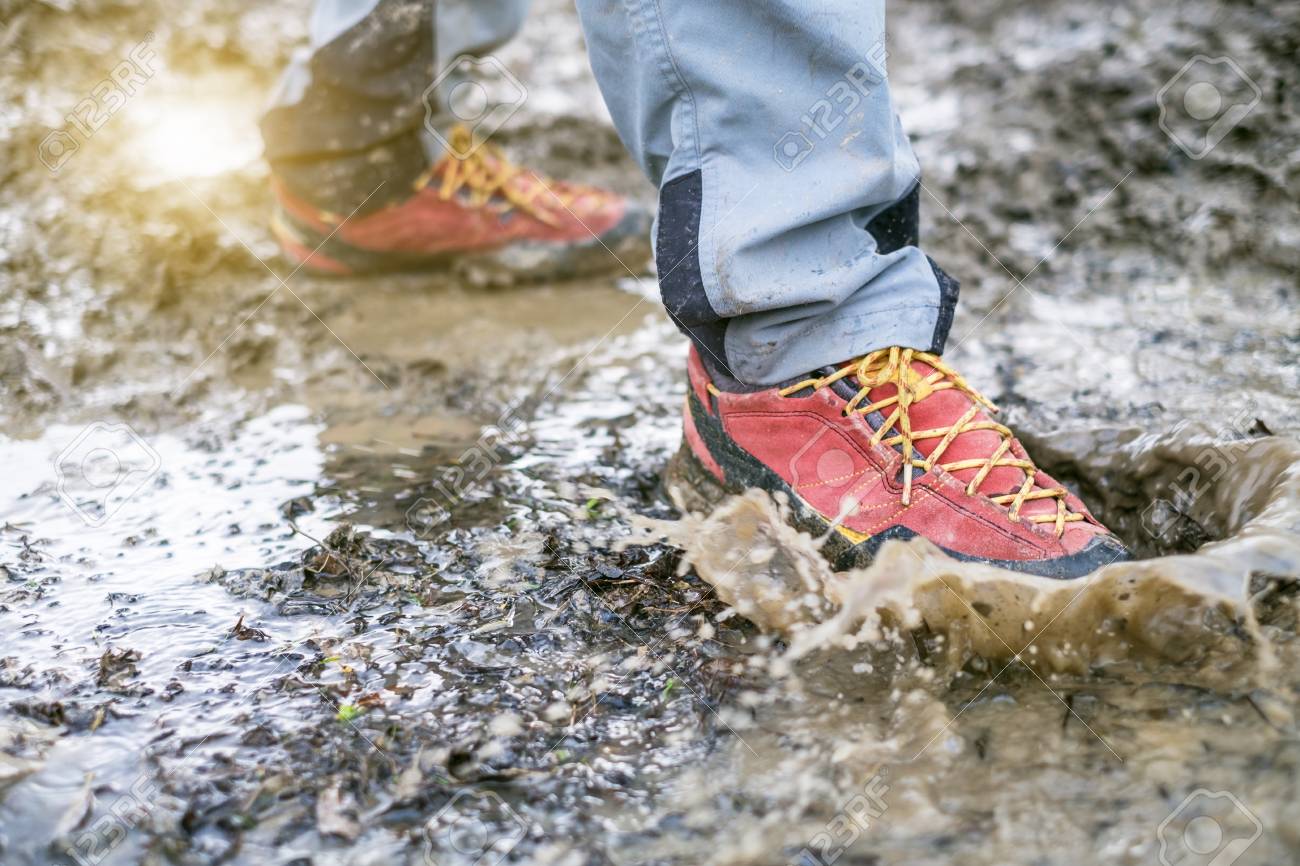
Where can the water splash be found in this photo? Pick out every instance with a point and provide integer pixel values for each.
(1193, 609)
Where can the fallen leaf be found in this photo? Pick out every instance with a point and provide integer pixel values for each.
(332, 818)
(78, 811)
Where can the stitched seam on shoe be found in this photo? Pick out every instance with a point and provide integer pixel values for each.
(826, 481)
(861, 510)
(804, 414)
(1045, 554)
(893, 517)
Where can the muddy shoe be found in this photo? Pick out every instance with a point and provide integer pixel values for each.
(482, 214)
(838, 443)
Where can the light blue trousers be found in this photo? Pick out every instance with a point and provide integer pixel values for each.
(786, 236)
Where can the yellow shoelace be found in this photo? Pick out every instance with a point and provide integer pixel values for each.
(894, 366)
(486, 172)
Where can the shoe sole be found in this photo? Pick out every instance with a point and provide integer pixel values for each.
(625, 246)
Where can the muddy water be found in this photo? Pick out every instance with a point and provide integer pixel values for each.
(1194, 609)
(243, 631)
(242, 679)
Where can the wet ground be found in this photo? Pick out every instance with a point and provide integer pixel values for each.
(242, 629)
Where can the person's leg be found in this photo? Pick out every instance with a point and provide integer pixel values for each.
(349, 111)
(377, 166)
(787, 218)
(787, 251)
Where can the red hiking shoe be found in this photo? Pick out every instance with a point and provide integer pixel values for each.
(837, 444)
(481, 211)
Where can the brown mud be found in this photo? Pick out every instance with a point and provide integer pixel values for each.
(273, 649)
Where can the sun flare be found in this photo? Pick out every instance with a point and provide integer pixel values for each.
(180, 136)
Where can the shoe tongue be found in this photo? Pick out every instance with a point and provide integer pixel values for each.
(939, 409)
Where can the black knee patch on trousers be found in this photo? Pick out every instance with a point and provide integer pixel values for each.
(677, 257)
(948, 291)
(898, 226)
(682, 286)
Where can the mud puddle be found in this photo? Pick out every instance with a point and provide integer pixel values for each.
(318, 666)
(366, 591)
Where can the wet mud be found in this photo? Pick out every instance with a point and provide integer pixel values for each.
(249, 630)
